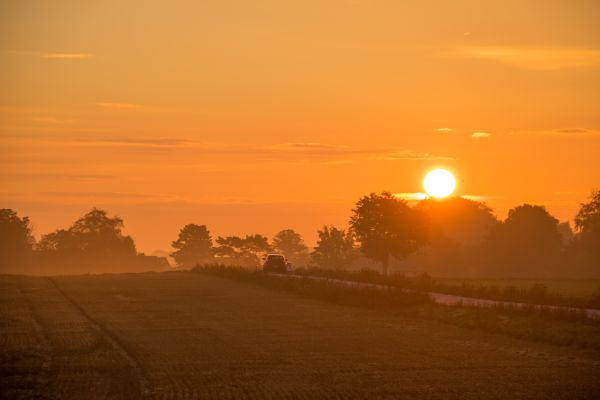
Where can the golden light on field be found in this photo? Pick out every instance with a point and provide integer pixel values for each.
(439, 183)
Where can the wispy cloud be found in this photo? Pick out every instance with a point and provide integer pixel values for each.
(92, 177)
(53, 55)
(480, 135)
(54, 121)
(310, 145)
(121, 106)
(170, 142)
(295, 151)
(411, 196)
(533, 58)
(418, 196)
(474, 197)
(445, 130)
(54, 176)
(309, 151)
(66, 56)
(89, 198)
(564, 132)
(411, 155)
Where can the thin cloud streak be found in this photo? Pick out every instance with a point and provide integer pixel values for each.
(410, 155)
(66, 56)
(562, 132)
(417, 196)
(53, 55)
(303, 152)
(475, 197)
(545, 59)
(480, 135)
(297, 151)
(54, 121)
(121, 106)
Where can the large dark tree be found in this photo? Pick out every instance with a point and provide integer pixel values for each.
(528, 242)
(587, 225)
(246, 252)
(94, 243)
(334, 249)
(461, 220)
(100, 235)
(387, 227)
(16, 241)
(289, 243)
(193, 246)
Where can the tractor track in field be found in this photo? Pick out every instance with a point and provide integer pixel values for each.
(145, 387)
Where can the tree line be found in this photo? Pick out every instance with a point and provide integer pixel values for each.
(443, 237)
(94, 243)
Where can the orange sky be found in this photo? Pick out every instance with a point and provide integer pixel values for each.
(254, 116)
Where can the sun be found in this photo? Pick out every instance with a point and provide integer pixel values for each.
(439, 183)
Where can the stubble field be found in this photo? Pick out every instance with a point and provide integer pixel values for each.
(195, 336)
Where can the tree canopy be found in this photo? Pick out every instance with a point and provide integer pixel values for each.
(94, 239)
(587, 242)
(246, 251)
(16, 240)
(528, 239)
(461, 220)
(193, 246)
(290, 243)
(386, 226)
(334, 249)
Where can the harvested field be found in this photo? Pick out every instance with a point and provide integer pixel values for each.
(195, 336)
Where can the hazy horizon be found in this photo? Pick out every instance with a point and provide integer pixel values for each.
(222, 219)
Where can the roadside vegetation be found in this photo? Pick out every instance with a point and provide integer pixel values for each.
(574, 287)
(533, 293)
(559, 327)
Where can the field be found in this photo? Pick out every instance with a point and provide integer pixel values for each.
(196, 336)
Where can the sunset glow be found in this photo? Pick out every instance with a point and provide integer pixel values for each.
(300, 199)
(243, 114)
(439, 183)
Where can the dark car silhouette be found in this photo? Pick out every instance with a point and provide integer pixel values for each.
(276, 263)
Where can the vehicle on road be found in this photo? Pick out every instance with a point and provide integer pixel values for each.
(276, 263)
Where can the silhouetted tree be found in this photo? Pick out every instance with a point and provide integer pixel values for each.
(387, 227)
(245, 252)
(456, 228)
(290, 243)
(334, 249)
(193, 246)
(527, 242)
(566, 234)
(587, 241)
(461, 220)
(62, 242)
(95, 240)
(16, 241)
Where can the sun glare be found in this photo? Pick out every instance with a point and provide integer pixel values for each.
(439, 183)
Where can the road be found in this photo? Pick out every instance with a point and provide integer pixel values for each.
(449, 299)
